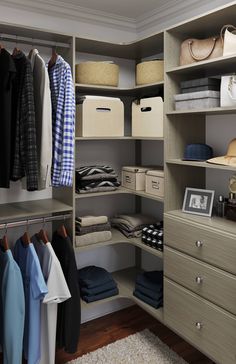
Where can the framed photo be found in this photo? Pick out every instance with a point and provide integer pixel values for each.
(199, 202)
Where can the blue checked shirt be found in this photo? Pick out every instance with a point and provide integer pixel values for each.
(63, 123)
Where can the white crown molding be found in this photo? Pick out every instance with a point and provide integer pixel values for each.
(72, 11)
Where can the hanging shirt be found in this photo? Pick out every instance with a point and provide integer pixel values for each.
(24, 152)
(57, 292)
(69, 313)
(63, 122)
(7, 74)
(35, 289)
(12, 309)
(43, 118)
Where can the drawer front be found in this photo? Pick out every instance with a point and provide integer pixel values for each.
(212, 247)
(210, 329)
(211, 283)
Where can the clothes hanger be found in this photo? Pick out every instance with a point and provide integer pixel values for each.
(42, 235)
(4, 240)
(53, 58)
(16, 50)
(26, 238)
(62, 231)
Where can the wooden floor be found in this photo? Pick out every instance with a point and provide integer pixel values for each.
(105, 330)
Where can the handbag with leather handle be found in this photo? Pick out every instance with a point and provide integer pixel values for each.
(228, 39)
(195, 50)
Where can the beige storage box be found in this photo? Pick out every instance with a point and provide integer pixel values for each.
(97, 73)
(134, 178)
(155, 182)
(100, 118)
(147, 118)
(149, 72)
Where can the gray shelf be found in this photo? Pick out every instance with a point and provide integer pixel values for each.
(126, 281)
(120, 190)
(119, 238)
(118, 138)
(210, 111)
(28, 209)
(200, 164)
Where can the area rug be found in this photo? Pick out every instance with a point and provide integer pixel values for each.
(140, 348)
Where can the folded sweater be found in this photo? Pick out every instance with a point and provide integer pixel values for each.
(152, 280)
(101, 296)
(91, 220)
(81, 230)
(99, 289)
(148, 300)
(155, 295)
(92, 276)
(133, 221)
(93, 238)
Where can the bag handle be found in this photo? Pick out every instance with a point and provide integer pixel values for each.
(224, 28)
(190, 43)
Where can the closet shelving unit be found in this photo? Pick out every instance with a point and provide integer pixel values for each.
(132, 52)
(205, 246)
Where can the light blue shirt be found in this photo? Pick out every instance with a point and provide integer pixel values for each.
(35, 289)
(12, 309)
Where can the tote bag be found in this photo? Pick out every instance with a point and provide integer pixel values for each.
(229, 40)
(228, 91)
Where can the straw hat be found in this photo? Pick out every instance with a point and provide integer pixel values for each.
(229, 159)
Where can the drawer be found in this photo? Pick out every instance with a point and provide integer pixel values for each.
(214, 247)
(207, 327)
(211, 283)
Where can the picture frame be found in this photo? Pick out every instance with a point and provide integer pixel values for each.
(198, 201)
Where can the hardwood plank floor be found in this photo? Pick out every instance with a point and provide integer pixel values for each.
(115, 326)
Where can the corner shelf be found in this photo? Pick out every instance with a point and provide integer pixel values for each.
(209, 111)
(125, 279)
(119, 238)
(119, 138)
(29, 209)
(120, 190)
(200, 164)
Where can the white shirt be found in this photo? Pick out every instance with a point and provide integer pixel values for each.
(57, 292)
(43, 118)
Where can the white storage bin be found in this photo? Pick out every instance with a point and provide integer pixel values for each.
(197, 100)
(134, 178)
(147, 118)
(155, 182)
(100, 118)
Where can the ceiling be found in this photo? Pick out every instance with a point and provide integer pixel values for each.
(128, 9)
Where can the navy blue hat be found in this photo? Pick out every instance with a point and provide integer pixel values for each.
(197, 152)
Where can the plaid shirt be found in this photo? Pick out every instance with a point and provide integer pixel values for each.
(24, 153)
(63, 123)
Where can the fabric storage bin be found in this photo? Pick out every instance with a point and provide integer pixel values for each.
(197, 100)
(147, 117)
(149, 72)
(134, 178)
(100, 118)
(97, 73)
(155, 182)
(200, 84)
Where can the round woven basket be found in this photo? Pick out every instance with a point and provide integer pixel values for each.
(149, 72)
(97, 73)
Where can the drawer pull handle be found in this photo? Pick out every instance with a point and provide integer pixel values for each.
(199, 243)
(199, 325)
(199, 280)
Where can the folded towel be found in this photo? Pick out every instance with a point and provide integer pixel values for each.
(92, 276)
(155, 295)
(152, 280)
(133, 221)
(91, 220)
(132, 234)
(82, 230)
(101, 296)
(93, 238)
(148, 300)
(97, 290)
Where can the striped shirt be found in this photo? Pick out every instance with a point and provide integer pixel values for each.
(63, 123)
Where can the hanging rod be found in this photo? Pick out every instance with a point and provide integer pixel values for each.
(32, 41)
(39, 220)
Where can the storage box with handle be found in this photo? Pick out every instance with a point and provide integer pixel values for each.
(155, 182)
(149, 72)
(147, 117)
(100, 117)
(134, 178)
(97, 73)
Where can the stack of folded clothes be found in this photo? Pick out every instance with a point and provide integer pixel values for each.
(95, 179)
(92, 230)
(131, 225)
(149, 288)
(96, 284)
(152, 235)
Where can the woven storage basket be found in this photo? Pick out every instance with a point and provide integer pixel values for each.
(149, 72)
(97, 73)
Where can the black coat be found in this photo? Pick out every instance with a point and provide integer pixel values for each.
(69, 312)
